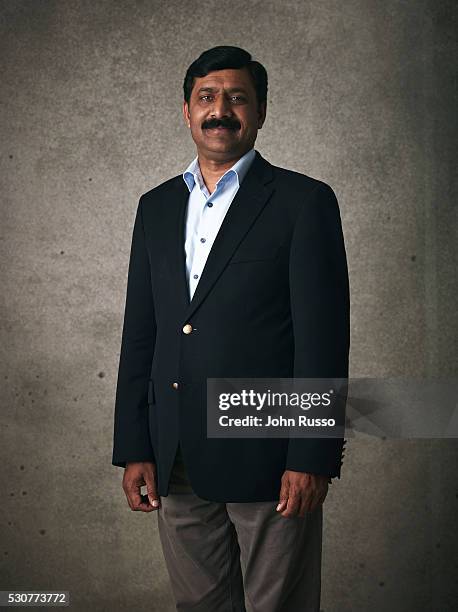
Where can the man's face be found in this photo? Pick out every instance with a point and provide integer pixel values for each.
(223, 113)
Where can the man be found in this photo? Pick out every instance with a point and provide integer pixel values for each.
(237, 270)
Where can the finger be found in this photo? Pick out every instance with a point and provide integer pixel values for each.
(128, 496)
(133, 495)
(292, 506)
(141, 503)
(316, 499)
(307, 498)
(151, 490)
(144, 505)
(321, 494)
(129, 502)
(303, 507)
(137, 501)
(283, 498)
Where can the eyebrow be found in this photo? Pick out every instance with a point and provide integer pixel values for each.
(215, 89)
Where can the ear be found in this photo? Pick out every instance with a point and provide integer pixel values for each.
(262, 114)
(186, 114)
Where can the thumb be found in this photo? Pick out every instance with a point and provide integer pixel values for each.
(284, 491)
(151, 490)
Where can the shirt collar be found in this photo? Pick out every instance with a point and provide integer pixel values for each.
(192, 174)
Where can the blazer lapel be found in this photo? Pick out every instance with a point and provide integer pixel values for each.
(250, 199)
(174, 239)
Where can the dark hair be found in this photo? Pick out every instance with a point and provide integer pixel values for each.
(219, 58)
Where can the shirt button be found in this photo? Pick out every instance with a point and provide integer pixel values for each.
(187, 329)
(175, 385)
(202, 239)
(209, 204)
(196, 276)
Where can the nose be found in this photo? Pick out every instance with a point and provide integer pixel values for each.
(221, 107)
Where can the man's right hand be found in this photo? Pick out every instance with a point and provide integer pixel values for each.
(137, 474)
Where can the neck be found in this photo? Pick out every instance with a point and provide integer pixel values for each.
(213, 169)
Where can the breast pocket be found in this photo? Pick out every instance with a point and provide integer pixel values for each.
(253, 254)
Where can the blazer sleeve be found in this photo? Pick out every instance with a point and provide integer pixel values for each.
(131, 439)
(320, 307)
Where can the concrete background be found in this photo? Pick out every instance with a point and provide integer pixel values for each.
(362, 95)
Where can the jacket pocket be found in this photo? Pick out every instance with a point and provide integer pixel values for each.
(261, 253)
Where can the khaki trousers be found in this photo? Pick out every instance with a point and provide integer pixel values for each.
(238, 557)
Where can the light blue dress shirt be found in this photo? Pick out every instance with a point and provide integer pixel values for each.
(206, 212)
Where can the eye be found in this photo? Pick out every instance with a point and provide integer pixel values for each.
(207, 97)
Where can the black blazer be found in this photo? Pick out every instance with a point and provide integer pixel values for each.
(272, 301)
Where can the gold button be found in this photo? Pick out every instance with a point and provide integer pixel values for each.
(175, 385)
(187, 329)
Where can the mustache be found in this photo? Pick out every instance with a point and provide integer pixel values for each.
(224, 122)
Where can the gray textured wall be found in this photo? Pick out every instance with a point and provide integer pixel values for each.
(361, 96)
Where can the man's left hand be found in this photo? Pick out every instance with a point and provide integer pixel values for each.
(301, 492)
